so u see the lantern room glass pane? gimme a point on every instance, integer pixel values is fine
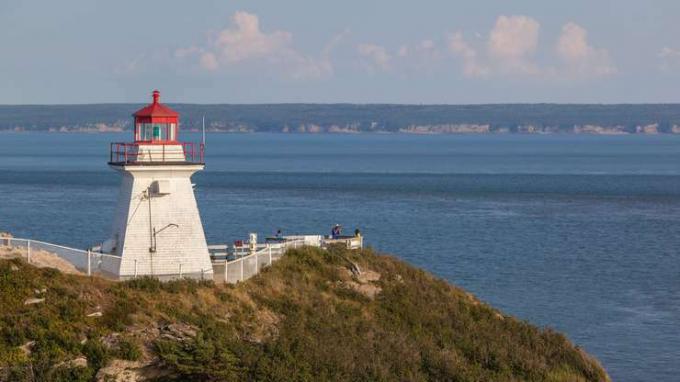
(173, 132)
(156, 132)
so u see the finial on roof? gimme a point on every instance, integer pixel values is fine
(156, 96)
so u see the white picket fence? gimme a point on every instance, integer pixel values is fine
(84, 260)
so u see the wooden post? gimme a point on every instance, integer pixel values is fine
(28, 251)
(226, 270)
(270, 254)
(257, 263)
(241, 269)
(180, 270)
(135, 268)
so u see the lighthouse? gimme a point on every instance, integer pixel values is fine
(157, 228)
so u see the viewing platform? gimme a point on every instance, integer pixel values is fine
(244, 259)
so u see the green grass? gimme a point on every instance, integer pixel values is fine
(300, 319)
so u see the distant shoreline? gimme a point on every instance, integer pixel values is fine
(357, 118)
(415, 132)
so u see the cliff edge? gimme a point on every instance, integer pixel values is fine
(314, 315)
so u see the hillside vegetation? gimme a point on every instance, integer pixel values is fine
(308, 317)
(498, 118)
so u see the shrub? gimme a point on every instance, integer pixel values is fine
(129, 350)
(97, 354)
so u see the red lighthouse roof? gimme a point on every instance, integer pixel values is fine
(155, 110)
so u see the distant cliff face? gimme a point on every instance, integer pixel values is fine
(353, 118)
(310, 316)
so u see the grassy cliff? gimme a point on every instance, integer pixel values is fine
(308, 317)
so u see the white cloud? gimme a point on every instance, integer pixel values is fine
(415, 58)
(513, 37)
(471, 65)
(508, 50)
(375, 57)
(209, 61)
(512, 43)
(244, 42)
(579, 56)
(670, 58)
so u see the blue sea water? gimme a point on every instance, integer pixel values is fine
(578, 233)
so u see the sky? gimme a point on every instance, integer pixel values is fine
(350, 51)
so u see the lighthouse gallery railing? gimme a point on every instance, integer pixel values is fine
(129, 153)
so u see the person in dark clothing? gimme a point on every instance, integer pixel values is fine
(279, 234)
(336, 231)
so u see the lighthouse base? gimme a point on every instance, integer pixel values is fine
(157, 229)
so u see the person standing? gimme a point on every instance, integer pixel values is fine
(335, 232)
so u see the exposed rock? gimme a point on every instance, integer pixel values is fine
(178, 332)
(39, 258)
(31, 301)
(368, 290)
(111, 340)
(648, 129)
(368, 276)
(265, 325)
(27, 347)
(76, 362)
(124, 371)
(363, 282)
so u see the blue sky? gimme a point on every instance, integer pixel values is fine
(486, 51)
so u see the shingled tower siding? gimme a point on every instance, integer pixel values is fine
(157, 229)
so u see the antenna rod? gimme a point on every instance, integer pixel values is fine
(204, 131)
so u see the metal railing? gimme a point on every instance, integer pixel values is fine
(85, 261)
(128, 153)
(239, 265)
(243, 263)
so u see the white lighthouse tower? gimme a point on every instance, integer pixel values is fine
(157, 229)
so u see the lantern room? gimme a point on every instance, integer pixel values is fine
(156, 123)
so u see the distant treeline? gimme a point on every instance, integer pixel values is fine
(509, 118)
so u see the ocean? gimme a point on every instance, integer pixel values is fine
(577, 233)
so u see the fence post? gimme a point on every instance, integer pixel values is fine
(89, 263)
(135, 269)
(28, 251)
(257, 263)
(270, 254)
(241, 269)
(180, 270)
(226, 270)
